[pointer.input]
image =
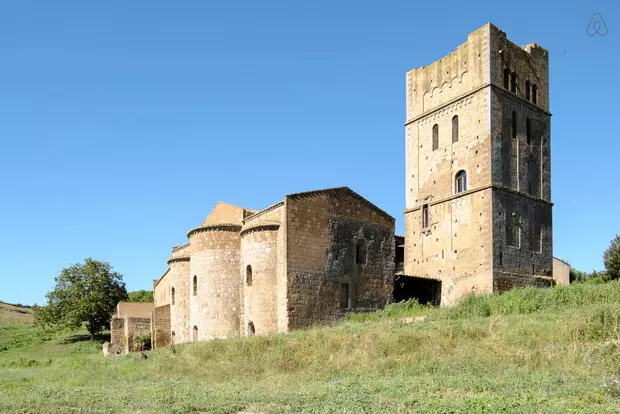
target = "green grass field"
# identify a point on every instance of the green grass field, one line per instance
(532, 350)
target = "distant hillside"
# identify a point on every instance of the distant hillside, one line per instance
(15, 313)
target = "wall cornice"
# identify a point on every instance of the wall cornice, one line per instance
(215, 227)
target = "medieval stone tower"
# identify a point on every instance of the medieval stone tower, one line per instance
(478, 203)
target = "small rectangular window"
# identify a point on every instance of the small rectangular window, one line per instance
(514, 124)
(344, 296)
(513, 82)
(534, 94)
(360, 252)
(506, 78)
(435, 137)
(425, 216)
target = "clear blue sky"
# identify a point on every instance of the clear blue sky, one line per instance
(122, 123)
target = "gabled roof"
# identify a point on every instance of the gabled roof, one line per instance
(339, 192)
(224, 213)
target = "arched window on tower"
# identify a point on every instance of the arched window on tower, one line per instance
(506, 78)
(248, 275)
(455, 128)
(513, 82)
(527, 90)
(172, 296)
(435, 137)
(461, 181)
(195, 285)
(514, 124)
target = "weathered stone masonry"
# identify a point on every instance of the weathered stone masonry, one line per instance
(481, 111)
(293, 265)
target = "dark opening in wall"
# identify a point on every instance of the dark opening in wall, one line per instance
(514, 124)
(195, 285)
(360, 252)
(435, 137)
(534, 94)
(425, 222)
(527, 90)
(425, 291)
(506, 78)
(528, 131)
(248, 275)
(344, 296)
(172, 296)
(251, 329)
(195, 333)
(513, 82)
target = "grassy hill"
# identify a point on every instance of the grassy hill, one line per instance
(531, 350)
(15, 313)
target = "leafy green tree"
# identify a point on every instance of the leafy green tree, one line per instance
(141, 296)
(611, 258)
(84, 294)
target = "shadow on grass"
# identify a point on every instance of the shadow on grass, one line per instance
(71, 339)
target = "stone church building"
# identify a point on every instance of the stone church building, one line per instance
(304, 260)
(478, 215)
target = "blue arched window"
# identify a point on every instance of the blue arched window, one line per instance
(461, 181)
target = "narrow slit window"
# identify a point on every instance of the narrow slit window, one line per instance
(248, 275)
(506, 78)
(195, 285)
(360, 252)
(425, 216)
(513, 82)
(455, 129)
(461, 182)
(251, 329)
(528, 131)
(514, 124)
(527, 90)
(172, 296)
(534, 94)
(435, 137)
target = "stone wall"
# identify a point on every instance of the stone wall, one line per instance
(179, 298)
(215, 262)
(117, 335)
(161, 290)
(160, 326)
(135, 327)
(260, 259)
(521, 165)
(313, 283)
(136, 309)
(561, 272)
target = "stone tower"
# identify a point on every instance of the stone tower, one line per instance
(478, 165)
